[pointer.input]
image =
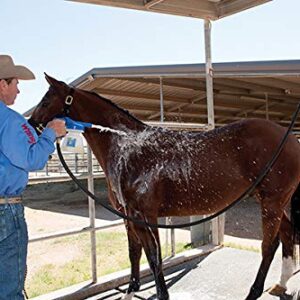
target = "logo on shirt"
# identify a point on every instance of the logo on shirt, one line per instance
(28, 132)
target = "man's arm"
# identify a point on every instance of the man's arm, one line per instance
(20, 144)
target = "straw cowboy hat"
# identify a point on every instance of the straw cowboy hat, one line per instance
(9, 70)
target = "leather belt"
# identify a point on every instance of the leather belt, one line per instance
(10, 200)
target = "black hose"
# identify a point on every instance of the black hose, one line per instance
(144, 223)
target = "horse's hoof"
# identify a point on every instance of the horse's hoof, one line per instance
(277, 290)
(128, 296)
(254, 293)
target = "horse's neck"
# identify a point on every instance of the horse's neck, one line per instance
(101, 112)
(100, 145)
(107, 144)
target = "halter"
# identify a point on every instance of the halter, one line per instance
(39, 127)
(68, 102)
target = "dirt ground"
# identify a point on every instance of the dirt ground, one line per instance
(61, 206)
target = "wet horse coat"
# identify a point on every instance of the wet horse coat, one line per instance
(154, 172)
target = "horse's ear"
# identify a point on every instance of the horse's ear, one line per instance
(52, 81)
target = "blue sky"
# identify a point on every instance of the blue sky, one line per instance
(66, 39)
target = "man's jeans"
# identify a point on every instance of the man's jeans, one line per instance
(13, 251)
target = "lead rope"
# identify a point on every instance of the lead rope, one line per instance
(246, 194)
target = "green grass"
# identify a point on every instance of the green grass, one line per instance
(242, 247)
(112, 256)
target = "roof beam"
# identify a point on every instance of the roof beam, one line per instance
(188, 83)
(226, 7)
(220, 104)
(202, 118)
(151, 3)
(132, 4)
(251, 87)
(180, 106)
(109, 92)
(287, 87)
(189, 8)
(247, 111)
(201, 109)
(288, 101)
(192, 114)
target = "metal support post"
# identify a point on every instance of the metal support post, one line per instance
(218, 223)
(168, 220)
(92, 215)
(161, 98)
(209, 75)
(200, 233)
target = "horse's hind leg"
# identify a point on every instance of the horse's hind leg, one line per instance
(286, 237)
(271, 219)
(135, 252)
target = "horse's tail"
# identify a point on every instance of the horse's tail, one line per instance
(295, 219)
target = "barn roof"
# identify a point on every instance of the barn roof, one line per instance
(205, 9)
(264, 89)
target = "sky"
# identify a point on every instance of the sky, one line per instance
(66, 39)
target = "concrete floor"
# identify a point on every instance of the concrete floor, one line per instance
(226, 274)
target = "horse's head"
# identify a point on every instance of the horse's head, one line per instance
(56, 102)
(88, 107)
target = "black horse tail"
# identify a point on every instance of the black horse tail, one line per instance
(295, 219)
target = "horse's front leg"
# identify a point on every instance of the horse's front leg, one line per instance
(150, 240)
(135, 252)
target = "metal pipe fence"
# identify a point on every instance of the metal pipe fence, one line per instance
(78, 164)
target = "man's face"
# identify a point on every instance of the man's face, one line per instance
(9, 91)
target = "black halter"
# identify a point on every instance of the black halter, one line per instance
(39, 127)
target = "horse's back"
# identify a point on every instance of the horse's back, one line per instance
(229, 161)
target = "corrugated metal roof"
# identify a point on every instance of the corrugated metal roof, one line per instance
(204, 9)
(268, 89)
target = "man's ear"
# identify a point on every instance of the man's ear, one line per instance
(2, 83)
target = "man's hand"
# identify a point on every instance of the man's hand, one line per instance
(58, 126)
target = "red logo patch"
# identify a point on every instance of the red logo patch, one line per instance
(28, 132)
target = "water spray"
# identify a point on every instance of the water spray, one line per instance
(73, 141)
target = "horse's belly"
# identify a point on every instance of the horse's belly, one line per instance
(199, 198)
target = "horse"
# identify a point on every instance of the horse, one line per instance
(156, 172)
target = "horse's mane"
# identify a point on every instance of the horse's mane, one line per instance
(117, 107)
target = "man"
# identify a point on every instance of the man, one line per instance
(21, 151)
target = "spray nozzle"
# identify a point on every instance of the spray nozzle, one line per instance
(73, 142)
(76, 125)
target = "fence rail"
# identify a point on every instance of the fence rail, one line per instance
(54, 171)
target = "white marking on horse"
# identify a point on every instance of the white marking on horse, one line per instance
(287, 270)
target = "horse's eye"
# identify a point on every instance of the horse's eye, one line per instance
(45, 104)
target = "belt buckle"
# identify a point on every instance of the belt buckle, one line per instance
(10, 200)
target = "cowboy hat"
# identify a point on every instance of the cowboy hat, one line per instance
(9, 70)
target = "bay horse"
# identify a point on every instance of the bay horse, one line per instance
(155, 172)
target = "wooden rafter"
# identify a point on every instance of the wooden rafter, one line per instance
(149, 4)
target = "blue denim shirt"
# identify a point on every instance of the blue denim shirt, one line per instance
(21, 151)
